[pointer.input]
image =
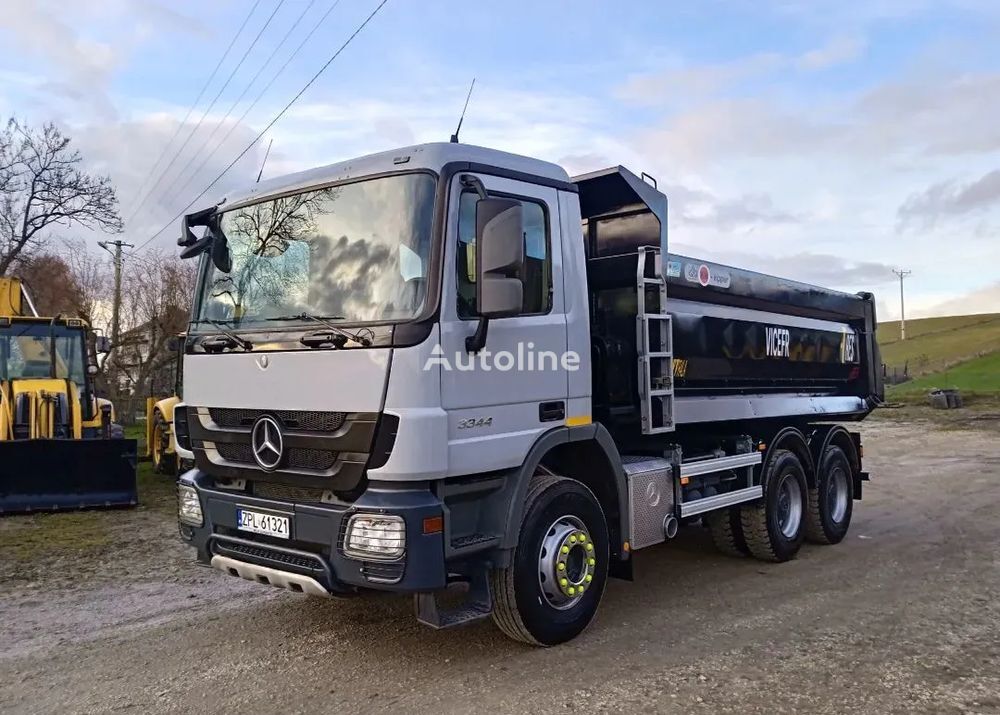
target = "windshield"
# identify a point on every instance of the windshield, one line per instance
(26, 352)
(354, 253)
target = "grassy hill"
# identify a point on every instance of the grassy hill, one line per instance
(979, 376)
(936, 344)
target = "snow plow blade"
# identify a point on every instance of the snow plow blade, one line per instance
(62, 474)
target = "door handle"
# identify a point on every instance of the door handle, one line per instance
(551, 411)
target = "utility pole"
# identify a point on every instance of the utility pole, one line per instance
(116, 302)
(902, 306)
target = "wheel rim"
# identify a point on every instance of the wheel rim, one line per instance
(157, 444)
(789, 508)
(566, 562)
(836, 494)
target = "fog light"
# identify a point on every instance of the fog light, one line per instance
(375, 536)
(189, 506)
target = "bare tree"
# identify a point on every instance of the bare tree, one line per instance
(92, 277)
(42, 185)
(156, 299)
(54, 289)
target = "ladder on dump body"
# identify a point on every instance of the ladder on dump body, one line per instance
(654, 344)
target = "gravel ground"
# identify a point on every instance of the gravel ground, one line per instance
(904, 616)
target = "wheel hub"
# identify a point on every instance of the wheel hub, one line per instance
(566, 562)
(837, 495)
(789, 506)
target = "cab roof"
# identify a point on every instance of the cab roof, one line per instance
(431, 156)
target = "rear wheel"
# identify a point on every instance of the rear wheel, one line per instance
(163, 463)
(774, 528)
(551, 591)
(831, 501)
(727, 531)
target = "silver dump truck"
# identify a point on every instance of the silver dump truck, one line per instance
(448, 366)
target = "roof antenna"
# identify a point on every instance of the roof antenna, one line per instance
(263, 163)
(454, 137)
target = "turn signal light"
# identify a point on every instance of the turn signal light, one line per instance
(434, 524)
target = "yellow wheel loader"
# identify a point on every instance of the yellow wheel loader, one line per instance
(161, 448)
(59, 445)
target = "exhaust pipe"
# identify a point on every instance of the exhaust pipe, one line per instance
(670, 526)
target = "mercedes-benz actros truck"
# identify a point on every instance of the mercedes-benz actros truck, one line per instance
(449, 367)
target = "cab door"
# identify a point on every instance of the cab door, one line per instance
(499, 401)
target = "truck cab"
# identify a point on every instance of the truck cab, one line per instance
(397, 377)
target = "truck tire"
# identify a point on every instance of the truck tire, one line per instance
(550, 592)
(774, 527)
(831, 502)
(727, 531)
(163, 463)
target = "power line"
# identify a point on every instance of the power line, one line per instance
(197, 152)
(194, 104)
(218, 94)
(257, 99)
(270, 124)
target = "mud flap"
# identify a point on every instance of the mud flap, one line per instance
(58, 474)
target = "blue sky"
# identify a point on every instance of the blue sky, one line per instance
(824, 141)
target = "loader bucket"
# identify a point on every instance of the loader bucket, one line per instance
(60, 474)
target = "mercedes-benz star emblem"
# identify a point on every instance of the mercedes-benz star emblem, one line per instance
(267, 442)
(262, 362)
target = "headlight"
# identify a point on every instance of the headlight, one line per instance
(375, 536)
(189, 506)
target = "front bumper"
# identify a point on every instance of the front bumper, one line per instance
(313, 560)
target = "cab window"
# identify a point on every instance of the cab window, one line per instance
(537, 268)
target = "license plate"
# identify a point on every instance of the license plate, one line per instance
(259, 523)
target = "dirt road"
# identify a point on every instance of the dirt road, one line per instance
(904, 616)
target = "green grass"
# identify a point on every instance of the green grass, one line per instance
(933, 345)
(25, 539)
(979, 376)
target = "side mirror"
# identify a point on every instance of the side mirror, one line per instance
(499, 257)
(102, 344)
(222, 257)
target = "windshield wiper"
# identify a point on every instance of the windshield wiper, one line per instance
(233, 340)
(320, 338)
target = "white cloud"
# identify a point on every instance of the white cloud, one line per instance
(839, 50)
(983, 300)
(702, 80)
(950, 198)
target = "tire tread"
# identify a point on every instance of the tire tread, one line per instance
(505, 613)
(727, 534)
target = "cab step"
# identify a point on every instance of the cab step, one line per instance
(477, 605)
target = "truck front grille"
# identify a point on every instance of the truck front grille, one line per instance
(301, 420)
(317, 460)
(288, 493)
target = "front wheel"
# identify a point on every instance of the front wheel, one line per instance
(551, 591)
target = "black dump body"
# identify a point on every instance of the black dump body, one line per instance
(735, 332)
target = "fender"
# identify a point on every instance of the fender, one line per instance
(825, 435)
(597, 435)
(790, 438)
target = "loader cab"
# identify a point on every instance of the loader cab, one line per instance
(45, 383)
